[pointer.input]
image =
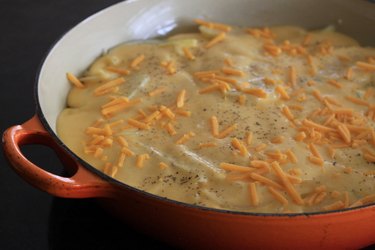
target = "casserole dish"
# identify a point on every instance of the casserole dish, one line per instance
(181, 224)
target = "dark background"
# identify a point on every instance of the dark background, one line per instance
(29, 218)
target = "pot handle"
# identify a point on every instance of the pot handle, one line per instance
(82, 184)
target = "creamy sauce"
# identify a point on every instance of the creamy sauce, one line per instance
(191, 164)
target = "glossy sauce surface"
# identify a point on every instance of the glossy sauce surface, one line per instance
(294, 111)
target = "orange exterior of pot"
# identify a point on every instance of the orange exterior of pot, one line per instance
(183, 225)
(82, 184)
(194, 228)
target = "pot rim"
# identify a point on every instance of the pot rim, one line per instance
(123, 185)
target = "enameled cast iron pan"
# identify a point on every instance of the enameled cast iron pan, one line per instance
(181, 224)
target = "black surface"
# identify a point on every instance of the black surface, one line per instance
(29, 218)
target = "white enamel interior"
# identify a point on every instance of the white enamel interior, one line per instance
(142, 19)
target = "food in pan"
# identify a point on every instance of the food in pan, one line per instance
(270, 120)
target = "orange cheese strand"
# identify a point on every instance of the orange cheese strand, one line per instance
(283, 94)
(227, 131)
(226, 79)
(228, 62)
(278, 139)
(357, 101)
(259, 164)
(188, 54)
(314, 151)
(170, 129)
(113, 171)
(335, 83)
(214, 126)
(256, 92)
(171, 68)
(157, 91)
(249, 138)
(272, 49)
(278, 196)
(287, 184)
(263, 33)
(300, 136)
(241, 99)
(238, 145)
(369, 157)
(315, 160)
(127, 151)
(163, 165)
(344, 132)
(98, 152)
(254, 198)
(121, 160)
(265, 180)
(140, 160)
(109, 110)
(74, 80)
(182, 112)
(212, 25)
(334, 206)
(181, 98)
(234, 167)
(291, 156)
(184, 138)
(152, 116)
(349, 74)
(293, 75)
(317, 126)
(211, 88)
(136, 61)
(230, 71)
(122, 141)
(317, 95)
(260, 147)
(220, 37)
(167, 112)
(115, 102)
(138, 124)
(288, 114)
(108, 85)
(365, 66)
(118, 70)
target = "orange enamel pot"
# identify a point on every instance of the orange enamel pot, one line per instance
(179, 224)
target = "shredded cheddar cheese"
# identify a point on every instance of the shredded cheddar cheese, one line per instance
(136, 61)
(163, 165)
(188, 54)
(181, 98)
(213, 25)
(183, 139)
(214, 126)
(157, 91)
(260, 93)
(283, 94)
(217, 39)
(108, 85)
(74, 80)
(254, 198)
(238, 145)
(266, 120)
(118, 70)
(226, 131)
(170, 128)
(278, 196)
(138, 124)
(365, 66)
